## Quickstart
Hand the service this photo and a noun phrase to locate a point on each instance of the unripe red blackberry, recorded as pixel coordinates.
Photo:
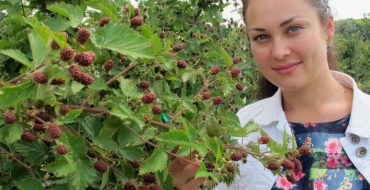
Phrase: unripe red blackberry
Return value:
(86, 79)
(239, 86)
(57, 81)
(155, 187)
(218, 100)
(162, 34)
(75, 72)
(67, 54)
(304, 150)
(231, 167)
(291, 178)
(236, 156)
(143, 187)
(181, 64)
(178, 47)
(264, 139)
(83, 36)
(149, 178)
(157, 109)
(61, 149)
(9, 117)
(100, 166)
(287, 164)
(129, 186)
(205, 95)
(136, 21)
(234, 72)
(135, 164)
(297, 165)
(148, 97)
(64, 109)
(38, 127)
(104, 21)
(27, 136)
(54, 131)
(236, 59)
(40, 77)
(215, 70)
(144, 84)
(85, 58)
(272, 165)
(108, 65)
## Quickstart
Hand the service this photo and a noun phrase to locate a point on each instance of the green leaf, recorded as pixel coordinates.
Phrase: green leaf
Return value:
(128, 87)
(14, 133)
(316, 173)
(18, 56)
(35, 152)
(155, 163)
(122, 111)
(126, 137)
(84, 174)
(106, 133)
(251, 127)
(121, 38)
(202, 171)
(73, 13)
(12, 95)
(57, 24)
(132, 152)
(107, 7)
(60, 167)
(76, 87)
(40, 48)
(227, 58)
(27, 183)
(45, 93)
(71, 116)
(176, 137)
(76, 144)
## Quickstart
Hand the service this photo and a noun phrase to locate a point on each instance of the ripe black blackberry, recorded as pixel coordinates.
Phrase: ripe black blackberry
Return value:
(148, 97)
(144, 84)
(149, 178)
(100, 166)
(104, 21)
(67, 54)
(215, 70)
(234, 71)
(182, 64)
(54, 131)
(83, 36)
(136, 21)
(108, 65)
(205, 95)
(40, 77)
(218, 100)
(27, 136)
(157, 109)
(9, 117)
(57, 81)
(236, 156)
(61, 149)
(85, 58)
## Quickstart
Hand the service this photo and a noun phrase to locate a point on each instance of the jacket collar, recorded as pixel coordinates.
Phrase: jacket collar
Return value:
(359, 122)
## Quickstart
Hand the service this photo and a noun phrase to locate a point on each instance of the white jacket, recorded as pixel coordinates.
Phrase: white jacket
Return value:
(268, 113)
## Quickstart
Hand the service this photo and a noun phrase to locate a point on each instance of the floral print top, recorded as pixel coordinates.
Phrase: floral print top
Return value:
(328, 167)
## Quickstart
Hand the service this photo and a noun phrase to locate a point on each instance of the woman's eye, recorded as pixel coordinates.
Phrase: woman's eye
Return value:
(261, 37)
(294, 28)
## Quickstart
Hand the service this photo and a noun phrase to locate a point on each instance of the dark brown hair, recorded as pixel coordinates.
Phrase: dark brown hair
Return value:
(266, 88)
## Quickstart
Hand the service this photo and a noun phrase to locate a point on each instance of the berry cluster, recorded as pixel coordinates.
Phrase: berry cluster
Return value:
(79, 76)
(148, 97)
(85, 58)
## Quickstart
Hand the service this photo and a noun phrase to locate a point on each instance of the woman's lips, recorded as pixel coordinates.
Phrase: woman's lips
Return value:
(286, 69)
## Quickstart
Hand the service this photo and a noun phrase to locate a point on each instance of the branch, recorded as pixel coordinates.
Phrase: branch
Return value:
(120, 73)
(16, 79)
(13, 157)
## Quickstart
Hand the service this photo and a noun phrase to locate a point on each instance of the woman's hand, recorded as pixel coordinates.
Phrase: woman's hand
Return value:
(183, 173)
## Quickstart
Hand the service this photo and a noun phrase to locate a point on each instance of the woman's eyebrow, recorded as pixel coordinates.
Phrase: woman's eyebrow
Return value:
(287, 21)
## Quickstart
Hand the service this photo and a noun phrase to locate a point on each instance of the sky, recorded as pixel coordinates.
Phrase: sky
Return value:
(341, 9)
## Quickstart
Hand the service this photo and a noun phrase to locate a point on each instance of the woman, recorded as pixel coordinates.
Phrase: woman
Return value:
(290, 41)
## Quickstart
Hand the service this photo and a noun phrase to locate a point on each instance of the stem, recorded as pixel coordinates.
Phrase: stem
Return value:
(120, 73)
(152, 144)
(24, 14)
(16, 79)
(241, 149)
(28, 168)
(197, 16)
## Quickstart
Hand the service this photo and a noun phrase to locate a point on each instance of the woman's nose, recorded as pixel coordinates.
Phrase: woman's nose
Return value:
(280, 49)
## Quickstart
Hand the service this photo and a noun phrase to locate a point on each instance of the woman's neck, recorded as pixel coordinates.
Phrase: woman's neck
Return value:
(323, 100)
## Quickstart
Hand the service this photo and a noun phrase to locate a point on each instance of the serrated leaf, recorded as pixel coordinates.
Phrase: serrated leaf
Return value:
(227, 58)
(189, 74)
(176, 137)
(12, 95)
(84, 174)
(14, 133)
(188, 104)
(26, 183)
(40, 48)
(72, 12)
(155, 163)
(76, 87)
(18, 56)
(251, 127)
(57, 24)
(202, 171)
(126, 137)
(71, 116)
(75, 143)
(121, 111)
(106, 6)
(60, 167)
(35, 152)
(132, 152)
(123, 39)
(129, 87)
(110, 128)
(45, 93)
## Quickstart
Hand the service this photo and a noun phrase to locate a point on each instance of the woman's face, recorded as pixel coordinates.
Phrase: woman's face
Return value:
(288, 41)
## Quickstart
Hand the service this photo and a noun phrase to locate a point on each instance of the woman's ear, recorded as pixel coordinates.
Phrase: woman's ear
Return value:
(330, 29)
